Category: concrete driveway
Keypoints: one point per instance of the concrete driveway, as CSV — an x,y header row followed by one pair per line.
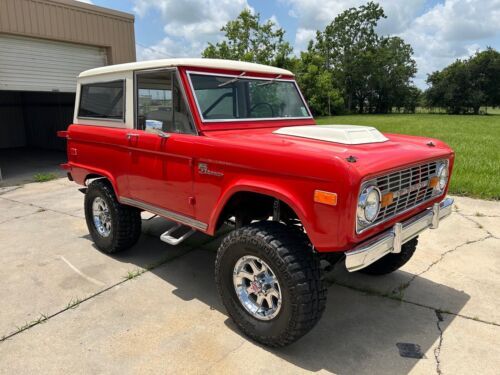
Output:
x,y
67,308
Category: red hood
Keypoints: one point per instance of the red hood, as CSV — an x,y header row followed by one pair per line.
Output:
x,y
373,158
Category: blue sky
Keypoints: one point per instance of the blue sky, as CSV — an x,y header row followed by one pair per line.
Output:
x,y
440,31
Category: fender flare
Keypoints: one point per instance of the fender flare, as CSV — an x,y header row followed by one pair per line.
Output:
x,y
269,189
103,174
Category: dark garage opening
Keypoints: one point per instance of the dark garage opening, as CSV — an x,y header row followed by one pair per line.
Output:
x,y
29,122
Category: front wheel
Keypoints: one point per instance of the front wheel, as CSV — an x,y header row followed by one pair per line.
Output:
x,y
270,282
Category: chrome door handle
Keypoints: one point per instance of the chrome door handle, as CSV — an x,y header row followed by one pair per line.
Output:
x,y
130,135
163,134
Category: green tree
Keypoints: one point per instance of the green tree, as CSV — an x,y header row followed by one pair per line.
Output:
x,y
389,75
485,69
347,67
348,44
466,85
317,83
247,39
372,73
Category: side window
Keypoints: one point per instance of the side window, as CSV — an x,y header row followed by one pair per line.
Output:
x,y
160,105
102,100
183,122
154,101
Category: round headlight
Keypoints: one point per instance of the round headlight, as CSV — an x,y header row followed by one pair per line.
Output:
x,y
368,205
443,175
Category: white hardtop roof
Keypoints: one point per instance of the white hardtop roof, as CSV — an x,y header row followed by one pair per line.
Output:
x,y
188,62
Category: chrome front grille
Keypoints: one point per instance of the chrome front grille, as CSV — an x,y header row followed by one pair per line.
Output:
x,y
410,187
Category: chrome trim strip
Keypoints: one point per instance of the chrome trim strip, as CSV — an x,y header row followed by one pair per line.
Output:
x,y
186,220
236,120
389,241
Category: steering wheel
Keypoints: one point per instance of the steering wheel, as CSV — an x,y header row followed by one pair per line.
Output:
x,y
261,104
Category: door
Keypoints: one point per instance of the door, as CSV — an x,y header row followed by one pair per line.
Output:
x,y
29,64
161,166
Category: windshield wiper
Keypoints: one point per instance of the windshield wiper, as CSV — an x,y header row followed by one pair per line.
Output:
x,y
270,82
232,80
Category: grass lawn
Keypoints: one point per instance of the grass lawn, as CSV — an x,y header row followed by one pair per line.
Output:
x,y
475,139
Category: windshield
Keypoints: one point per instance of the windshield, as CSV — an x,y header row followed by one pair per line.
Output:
x,y
238,98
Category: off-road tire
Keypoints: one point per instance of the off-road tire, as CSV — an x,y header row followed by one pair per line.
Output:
x,y
392,262
125,220
290,255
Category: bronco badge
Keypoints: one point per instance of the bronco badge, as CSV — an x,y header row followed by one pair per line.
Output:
x,y
203,169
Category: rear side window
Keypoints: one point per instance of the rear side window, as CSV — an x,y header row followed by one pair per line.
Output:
x,y
102,100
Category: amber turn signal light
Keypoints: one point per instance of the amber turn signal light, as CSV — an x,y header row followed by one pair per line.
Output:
x,y
433,182
386,200
325,197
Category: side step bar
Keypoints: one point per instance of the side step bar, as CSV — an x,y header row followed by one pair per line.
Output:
x,y
171,240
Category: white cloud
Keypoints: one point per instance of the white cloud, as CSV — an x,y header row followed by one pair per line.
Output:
x,y
188,24
302,38
316,14
399,16
274,20
449,30
86,1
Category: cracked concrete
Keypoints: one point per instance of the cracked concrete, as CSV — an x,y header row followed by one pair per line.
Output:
x,y
437,349
441,257
487,223
168,318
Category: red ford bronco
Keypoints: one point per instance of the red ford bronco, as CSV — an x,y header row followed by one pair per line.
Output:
x,y
205,142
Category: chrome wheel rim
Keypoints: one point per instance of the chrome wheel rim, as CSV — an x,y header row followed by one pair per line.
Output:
x,y
101,216
257,287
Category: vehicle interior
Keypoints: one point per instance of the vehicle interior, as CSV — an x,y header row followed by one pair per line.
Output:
x,y
160,104
224,98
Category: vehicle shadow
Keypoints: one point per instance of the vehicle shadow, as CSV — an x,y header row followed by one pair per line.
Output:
x,y
359,331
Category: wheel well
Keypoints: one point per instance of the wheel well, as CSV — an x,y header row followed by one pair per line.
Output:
x,y
246,206
91,177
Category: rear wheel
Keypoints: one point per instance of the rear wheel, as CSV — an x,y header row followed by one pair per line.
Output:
x,y
113,226
392,262
270,282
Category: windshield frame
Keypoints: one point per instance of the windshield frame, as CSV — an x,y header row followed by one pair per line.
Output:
x,y
240,76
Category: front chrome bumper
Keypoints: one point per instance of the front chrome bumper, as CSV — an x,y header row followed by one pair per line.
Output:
x,y
391,240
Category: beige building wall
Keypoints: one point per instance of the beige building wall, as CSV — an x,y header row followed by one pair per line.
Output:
x,y
71,21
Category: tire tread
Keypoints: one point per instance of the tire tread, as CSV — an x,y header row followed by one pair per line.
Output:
x,y
127,223
291,250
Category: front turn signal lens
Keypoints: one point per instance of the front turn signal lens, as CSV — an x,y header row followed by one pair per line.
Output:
x,y
434,182
387,200
325,197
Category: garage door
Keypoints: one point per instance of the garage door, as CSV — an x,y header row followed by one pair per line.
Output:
x,y
28,64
